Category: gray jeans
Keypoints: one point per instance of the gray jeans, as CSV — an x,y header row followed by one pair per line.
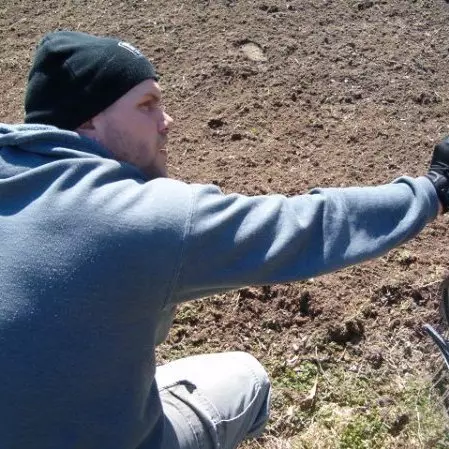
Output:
x,y
213,401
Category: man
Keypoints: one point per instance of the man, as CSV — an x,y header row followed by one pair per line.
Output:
x,y
98,248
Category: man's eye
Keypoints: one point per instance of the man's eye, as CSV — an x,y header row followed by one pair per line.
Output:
x,y
151,105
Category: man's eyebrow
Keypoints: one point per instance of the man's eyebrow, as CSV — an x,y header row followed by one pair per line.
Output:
x,y
148,98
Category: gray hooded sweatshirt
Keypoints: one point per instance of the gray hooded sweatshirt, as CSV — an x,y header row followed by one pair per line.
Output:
x,y
93,255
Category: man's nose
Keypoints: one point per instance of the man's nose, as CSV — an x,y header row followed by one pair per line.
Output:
x,y
165,123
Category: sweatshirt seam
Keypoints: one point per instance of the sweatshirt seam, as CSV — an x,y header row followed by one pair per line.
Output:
x,y
187,231
422,182
433,196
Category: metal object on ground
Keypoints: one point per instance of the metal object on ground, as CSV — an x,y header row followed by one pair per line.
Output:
x,y
438,339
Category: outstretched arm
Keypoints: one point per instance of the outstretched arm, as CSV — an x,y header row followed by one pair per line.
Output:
x,y
235,240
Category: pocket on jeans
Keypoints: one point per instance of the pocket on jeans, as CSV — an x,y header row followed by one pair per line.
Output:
x,y
197,401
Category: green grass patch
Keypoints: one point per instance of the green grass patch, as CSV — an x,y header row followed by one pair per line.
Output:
x,y
353,411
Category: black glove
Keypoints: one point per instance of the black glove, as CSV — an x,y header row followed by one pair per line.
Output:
x,y
439,172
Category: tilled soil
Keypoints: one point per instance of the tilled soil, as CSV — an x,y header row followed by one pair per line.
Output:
x,y
279,97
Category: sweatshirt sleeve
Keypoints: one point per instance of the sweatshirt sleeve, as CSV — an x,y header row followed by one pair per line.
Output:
x,y
235,240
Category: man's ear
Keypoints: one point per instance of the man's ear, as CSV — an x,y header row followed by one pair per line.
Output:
x,y
87,129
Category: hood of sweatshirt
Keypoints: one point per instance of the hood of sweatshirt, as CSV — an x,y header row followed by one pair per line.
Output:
x,y
43,144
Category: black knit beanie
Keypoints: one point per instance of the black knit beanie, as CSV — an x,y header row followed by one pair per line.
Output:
x,y
75,76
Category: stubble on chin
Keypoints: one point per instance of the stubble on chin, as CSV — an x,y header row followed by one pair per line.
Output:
x,y
158,167
126,148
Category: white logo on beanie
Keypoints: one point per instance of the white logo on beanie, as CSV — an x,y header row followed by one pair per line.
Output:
x,y
131,49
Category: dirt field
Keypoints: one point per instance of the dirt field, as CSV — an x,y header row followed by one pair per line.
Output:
x,y
281,96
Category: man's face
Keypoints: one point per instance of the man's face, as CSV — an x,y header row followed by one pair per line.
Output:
x,y
135,129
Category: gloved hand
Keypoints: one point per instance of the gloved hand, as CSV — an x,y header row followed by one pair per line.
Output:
x,y
439,172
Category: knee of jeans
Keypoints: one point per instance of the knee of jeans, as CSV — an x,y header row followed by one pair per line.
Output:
x,y
257,370
263,395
